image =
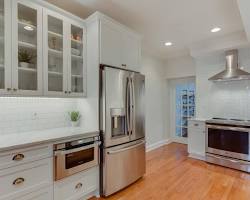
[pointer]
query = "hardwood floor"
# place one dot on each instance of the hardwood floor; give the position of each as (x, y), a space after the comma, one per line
(171, 175)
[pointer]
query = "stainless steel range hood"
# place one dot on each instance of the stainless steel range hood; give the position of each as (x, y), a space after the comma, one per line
(232, 71)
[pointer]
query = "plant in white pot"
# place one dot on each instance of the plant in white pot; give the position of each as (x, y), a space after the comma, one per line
(25, 58)
(74, 118)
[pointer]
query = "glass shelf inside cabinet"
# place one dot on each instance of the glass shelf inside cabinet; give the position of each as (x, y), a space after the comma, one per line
(2, 71)
(76, 59)
(27, 48)
(55, 54)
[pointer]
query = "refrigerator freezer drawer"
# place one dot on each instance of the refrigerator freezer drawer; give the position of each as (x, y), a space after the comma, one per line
(122, 166)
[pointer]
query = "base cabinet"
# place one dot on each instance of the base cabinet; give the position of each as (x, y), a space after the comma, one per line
(196, 139)
(43, 194)
(82, 185)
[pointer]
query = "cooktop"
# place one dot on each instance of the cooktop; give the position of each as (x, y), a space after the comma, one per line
(227, 121)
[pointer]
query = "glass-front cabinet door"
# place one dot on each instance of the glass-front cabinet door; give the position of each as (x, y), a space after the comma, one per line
(55, 54)
(5, 47)
(27, 48)
(77, 61)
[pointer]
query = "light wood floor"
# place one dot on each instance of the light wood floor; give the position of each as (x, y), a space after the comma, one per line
(171, 175)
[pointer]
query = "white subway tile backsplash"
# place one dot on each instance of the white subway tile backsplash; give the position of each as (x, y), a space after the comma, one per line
(223, 99)
(21, 114)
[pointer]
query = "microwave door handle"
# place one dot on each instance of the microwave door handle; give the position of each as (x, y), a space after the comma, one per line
(63, 152)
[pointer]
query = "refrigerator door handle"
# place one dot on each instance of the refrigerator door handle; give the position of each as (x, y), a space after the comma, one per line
(132, 105)
(127, 106)
(127, 148)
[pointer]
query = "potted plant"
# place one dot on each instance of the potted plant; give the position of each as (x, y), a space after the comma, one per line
(24, 58)
(74, 118)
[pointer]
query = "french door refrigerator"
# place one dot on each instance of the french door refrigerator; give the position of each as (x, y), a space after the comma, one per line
(122, 124)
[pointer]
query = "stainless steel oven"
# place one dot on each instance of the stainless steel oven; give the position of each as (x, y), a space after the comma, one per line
(75, 156)
(228, 145)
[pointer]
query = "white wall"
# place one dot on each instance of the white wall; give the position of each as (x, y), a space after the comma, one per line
(225, 99)
(175, 68)
(180, 67)
(154, 71)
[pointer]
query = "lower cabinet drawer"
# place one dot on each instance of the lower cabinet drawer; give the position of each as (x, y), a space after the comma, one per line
(16, 157)
(21, 180)
(77, 186)
(42, 194)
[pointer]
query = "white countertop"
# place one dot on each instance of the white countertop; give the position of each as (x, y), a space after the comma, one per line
(16, 140)
(197, 119)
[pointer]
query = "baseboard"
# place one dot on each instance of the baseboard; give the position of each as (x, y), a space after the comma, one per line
(157, 145)
(197, 156)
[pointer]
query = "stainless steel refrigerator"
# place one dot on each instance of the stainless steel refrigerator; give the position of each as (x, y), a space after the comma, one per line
(122, 124)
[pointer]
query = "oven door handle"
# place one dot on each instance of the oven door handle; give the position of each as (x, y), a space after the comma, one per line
(64, 152)
(231, 160)
(228, 128)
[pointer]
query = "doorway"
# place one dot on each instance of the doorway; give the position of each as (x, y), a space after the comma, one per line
(182, 107)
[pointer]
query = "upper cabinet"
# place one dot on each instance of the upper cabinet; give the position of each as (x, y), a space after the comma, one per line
(77, 59)
(26, 48)
(119, 47)
(55, 54)
(110, 44)
(44, 55)
(5, 47)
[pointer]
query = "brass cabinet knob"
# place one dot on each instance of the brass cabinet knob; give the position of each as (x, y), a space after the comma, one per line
(8, 89)
(18, 181)
(65, 92)
(18, 157)
(14, 89)
(69, 92)
(78, 186)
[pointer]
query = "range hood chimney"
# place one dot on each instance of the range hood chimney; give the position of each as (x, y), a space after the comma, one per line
(232, 71)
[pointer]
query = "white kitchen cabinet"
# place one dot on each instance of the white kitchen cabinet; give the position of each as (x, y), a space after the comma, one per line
(5, 47)
(77, 73)
(110, 44)
(196, 138)
(22, 179)
(131, 51)
(43, 51)
(55, 53)
(21, 156)
(82, 185)
(64, 56)
(26, 48)
(119, 46)
(43, 194)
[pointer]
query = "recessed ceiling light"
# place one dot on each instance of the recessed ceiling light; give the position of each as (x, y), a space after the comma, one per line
(28, 28)
(216, 29)
(168, 44)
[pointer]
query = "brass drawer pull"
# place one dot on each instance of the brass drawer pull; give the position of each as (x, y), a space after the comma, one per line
(196, 124)
(18, 181)
(78, 186)
(18, 157)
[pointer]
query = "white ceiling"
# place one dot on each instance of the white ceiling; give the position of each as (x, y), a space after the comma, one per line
(183, 22)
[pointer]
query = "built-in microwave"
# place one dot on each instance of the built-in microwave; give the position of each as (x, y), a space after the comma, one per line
(75, 156)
